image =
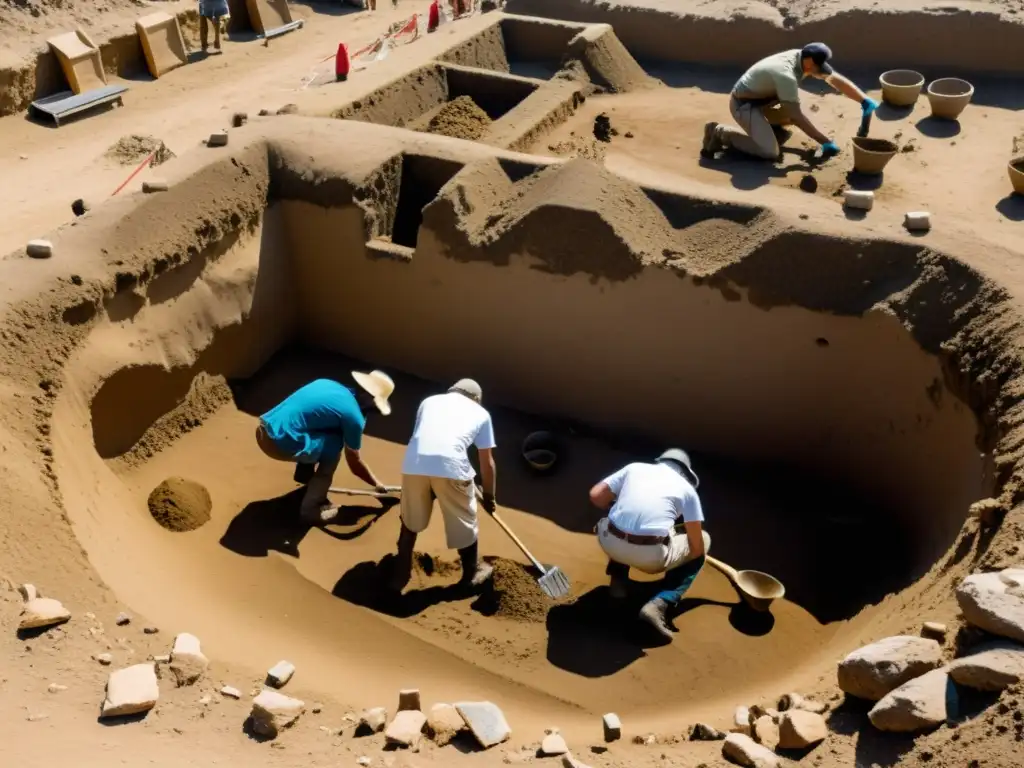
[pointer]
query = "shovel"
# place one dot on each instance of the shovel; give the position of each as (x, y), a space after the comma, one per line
(757, 589)
(392, 490)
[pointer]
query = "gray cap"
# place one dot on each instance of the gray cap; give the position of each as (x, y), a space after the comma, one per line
(469, 388)
(681, 458)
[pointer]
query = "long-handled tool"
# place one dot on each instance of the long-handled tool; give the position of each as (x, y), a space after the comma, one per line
(757, 588)
(392, 490)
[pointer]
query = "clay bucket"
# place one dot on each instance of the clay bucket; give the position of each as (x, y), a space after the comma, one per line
(870, 156)
(949, 96)
(901, 87)
(1016, 171)
(540, 450)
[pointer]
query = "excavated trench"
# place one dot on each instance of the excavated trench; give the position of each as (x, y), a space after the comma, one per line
(825, 386)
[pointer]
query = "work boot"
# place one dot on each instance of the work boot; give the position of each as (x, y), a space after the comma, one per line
(304, 473)
(402, 571)
(712, 143)
(618, 587)
(475, 572)
(654, 613)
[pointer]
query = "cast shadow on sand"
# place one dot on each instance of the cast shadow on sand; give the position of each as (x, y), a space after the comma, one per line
(275, 525)
(748, 173)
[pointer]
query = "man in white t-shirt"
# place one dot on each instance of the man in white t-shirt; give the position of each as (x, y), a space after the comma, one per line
(645, 504)
(437, 466)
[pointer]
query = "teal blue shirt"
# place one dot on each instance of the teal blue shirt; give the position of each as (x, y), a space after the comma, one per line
(314, 423)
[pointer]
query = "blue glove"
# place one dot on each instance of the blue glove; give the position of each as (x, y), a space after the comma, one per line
(868, 106)
(829, 149)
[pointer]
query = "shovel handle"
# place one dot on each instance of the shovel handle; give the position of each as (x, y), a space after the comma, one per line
(511, 535)
(358, 492)
(730, 572)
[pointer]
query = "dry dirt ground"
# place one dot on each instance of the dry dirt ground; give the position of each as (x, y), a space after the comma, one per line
(958, 176)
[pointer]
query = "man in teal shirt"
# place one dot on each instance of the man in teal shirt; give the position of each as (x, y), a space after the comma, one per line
(316, 424)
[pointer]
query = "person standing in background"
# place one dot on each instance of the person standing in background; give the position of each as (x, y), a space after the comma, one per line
(211, 12)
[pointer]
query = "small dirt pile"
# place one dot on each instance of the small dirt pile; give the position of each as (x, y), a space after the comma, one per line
(579, 146)
(180, 505)
(134, 148)
(460, 118)
(517, 595)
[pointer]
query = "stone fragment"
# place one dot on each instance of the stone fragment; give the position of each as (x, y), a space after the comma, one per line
(150, 630)
(231, 693)
(188, 663)
(204, 700)
(612, 727)
(799, 729)
(924, 702)
(28, 592)
(704, 732)
(766, 732)
(553, 745)
(990, 667)
(218, 139)
(741, 720)
(272, 712)
(122, 619)
(918, 221)
(364, 761)
(409, 698)
(239, 119)
(280, 673)
(486, 722)
(862, 200)
(162, 658)
(645, 741)
(443, 723)
(56, 688)
(934, 630)
(155, 185)
(568, 761)
(406, 729)
(105, 659)
(990, 603)
(374, 720)
(743, 750)
(876, 669)
(131, 691)
(43, 612)
(39, 249)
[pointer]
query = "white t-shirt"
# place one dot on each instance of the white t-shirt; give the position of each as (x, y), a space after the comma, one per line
(651, 498)
(446, 425)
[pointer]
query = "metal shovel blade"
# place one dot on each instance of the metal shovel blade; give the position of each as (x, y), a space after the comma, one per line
(554, 583)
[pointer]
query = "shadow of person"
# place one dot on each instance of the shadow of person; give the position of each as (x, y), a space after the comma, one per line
(594, 636)
(366, 584)
(748, 173)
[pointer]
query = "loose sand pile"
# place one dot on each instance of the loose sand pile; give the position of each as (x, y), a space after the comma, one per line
(460, 118)
(180, 505)
(133, 149)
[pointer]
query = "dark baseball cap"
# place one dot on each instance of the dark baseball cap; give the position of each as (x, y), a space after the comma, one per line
(820, 54)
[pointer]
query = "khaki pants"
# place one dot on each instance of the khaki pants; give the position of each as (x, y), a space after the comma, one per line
(457, 499)
(649, 558)
(755, 135)
(315, 497)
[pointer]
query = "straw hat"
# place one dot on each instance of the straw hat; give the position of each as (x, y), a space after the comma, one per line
(379, 386)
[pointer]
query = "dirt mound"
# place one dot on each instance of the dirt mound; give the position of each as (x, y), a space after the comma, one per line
(460, 118)
(180, 505)
(579, 146)
(134, 148)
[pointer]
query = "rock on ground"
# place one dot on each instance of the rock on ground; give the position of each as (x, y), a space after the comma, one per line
(741, 720)
(409, 699)
(994, 602)
(43, 612)
(612, 727)
(375, 719)
(797, 701)
(406, 729)
(28, 592)
(704, 732)
(554, 745)
(486, 721)
(188, 663)
(231, 693)
(876, 669)
(131, 691)
(800, 729)
(990, 667)
(766, 732)
(272, 712)
(924, 702)
(743, 750)
(444, 722)
(280, 673)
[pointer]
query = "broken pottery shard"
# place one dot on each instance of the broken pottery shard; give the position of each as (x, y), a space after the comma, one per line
(232, 693)
(406, 729)
(800, 729)
(444, 722)
(374, 719)
(272, 712)
(704, 732)
(187, 660)
(28, 592)
(43, 612)
(280, 673)
(988, 602)
(766, 732)
(39, 249)
(925, 702)
(409, 698)
(741, 720)
(554, 745)
(990, 667)
(743, 750)
(485, 721)
(131, 691)
(612, 727)
(155, 185)
(218, 139)
(876, 669)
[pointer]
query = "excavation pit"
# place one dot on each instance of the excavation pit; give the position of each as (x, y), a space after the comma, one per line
(278, 273)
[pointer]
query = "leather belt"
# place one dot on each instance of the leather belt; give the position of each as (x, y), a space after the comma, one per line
(633, 538)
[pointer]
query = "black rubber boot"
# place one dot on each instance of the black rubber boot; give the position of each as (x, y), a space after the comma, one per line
(304, 473)
(618, 588)
(402, 571)
(475, 572)
(654, 613)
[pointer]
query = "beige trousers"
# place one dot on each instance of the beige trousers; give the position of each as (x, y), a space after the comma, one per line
(649, 558)
(457, 499)
(755, 135)
(315, 498)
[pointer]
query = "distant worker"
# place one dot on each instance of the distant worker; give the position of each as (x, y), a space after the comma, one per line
(211, 12)
(437, 466)
(769, 95)
(645, 502)
(314, 425)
